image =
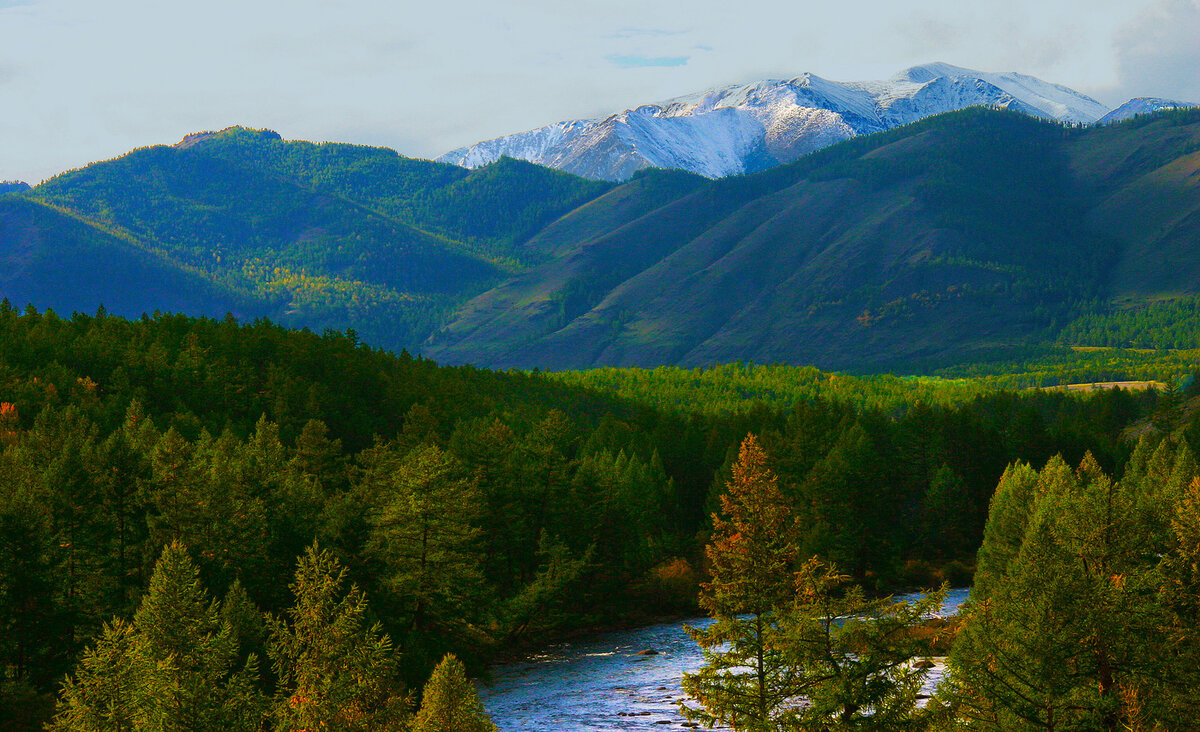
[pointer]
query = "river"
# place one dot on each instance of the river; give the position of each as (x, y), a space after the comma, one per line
(602, 683)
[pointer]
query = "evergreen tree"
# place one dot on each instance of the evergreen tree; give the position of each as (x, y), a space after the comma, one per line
(1069, 634)
(450, 702)
(424, 533)
(184, 654)
(336, 670)
(746, 680)
(171, 670)
(852, 657)
(99, 696)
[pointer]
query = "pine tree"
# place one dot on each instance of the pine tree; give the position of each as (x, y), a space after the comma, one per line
(184, 655)
(99, 696)
(450, 702)
(852, 657)
(424, 532)
(746, 681)
(336, 670)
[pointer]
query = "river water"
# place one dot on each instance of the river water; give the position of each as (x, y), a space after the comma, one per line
(603, 683)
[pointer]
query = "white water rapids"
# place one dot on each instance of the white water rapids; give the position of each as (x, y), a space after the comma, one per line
(602, 683)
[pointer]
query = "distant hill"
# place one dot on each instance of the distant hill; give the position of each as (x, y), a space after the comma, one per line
(1142, 105)
(310, 235)
(964, 233)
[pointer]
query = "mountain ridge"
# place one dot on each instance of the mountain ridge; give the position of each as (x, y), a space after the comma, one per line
(977, 229)
(746, 128)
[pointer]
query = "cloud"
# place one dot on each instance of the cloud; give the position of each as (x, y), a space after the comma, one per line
(643, 33)
(1158, 53)
(638, 62)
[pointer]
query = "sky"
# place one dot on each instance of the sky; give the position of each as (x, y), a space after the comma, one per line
(82, 80)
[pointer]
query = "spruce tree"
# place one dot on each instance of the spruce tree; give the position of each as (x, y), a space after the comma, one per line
(184, 656)
(173, 669)
(99, 697)
(450, 702)
(746, 681)
(336, 670)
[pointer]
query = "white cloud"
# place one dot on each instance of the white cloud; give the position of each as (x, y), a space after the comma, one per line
(1158, 54)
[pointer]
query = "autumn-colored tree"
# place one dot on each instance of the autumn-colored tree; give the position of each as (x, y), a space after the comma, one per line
(746, 680)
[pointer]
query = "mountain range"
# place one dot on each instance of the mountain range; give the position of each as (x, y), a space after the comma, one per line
(748, 128)
(963, 232)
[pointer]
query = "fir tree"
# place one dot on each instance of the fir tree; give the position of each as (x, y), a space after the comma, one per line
(746, 681)
(450, 702)
(336, 670)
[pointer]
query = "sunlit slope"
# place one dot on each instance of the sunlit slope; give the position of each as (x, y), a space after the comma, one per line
(319, 235)
(962, 231)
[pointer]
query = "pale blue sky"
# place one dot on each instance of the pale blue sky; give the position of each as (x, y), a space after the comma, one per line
(82, 80)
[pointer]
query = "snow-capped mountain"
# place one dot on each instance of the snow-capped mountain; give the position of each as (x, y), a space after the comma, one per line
(1142, 105)
(742, 129)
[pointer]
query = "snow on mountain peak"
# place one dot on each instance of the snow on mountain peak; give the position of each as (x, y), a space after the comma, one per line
(748, 127)
(1142, 105)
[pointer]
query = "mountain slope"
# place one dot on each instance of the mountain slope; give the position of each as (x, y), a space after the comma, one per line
(740, 129)
(970, 230)
(309, 235)
(1140, 106)
(490, 209)
(49, 257)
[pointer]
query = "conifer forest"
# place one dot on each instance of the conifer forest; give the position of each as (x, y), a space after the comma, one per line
(213, 525)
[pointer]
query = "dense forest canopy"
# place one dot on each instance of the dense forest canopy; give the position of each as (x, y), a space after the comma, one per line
(474, 511)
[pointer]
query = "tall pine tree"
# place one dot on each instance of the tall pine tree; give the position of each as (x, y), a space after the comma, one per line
(746, 681)
(336, 669)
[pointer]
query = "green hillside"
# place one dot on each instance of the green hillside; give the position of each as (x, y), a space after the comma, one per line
(52, 256)
(946, 241)
(959, 234)
(319, 236)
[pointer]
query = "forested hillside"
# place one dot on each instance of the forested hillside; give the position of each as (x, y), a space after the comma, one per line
(962, 233)
(243, 222)
(475, 511)
(939, 243)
